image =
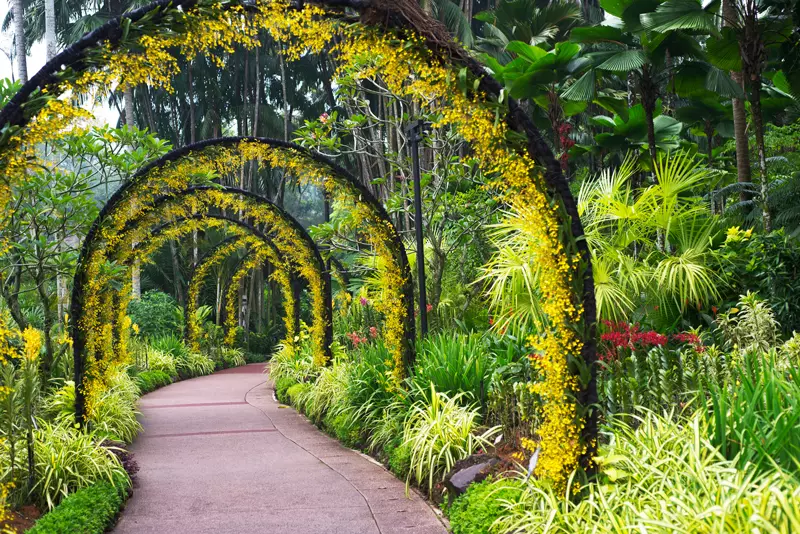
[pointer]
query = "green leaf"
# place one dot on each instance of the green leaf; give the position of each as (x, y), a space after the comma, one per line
(723, 52)
(583, 90)
(598, 34)
(529, 52)
(682, 15)
(602, 120)
(625, 61)
(718, 81)
(571, 109)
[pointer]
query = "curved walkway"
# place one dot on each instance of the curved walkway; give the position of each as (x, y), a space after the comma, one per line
(219, 455)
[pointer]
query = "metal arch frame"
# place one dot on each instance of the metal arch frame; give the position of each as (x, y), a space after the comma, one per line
(80, 281)
(294, 282)
(403, 15)
(189, 306)
(337, 173)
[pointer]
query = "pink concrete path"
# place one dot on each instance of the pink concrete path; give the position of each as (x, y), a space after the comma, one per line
(219, 455)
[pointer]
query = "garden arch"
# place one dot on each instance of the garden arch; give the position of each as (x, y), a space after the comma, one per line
(225, 153)
(416, 58)
(195, 204)
(245, 235)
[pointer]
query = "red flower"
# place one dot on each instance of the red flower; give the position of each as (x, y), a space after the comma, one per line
(429, 307)
(373, 332)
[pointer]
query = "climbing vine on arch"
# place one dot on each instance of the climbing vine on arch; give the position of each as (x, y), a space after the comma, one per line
(100, 343)
(418, 63)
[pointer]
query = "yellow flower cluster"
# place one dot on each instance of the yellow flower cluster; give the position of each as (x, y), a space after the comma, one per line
(31, 343)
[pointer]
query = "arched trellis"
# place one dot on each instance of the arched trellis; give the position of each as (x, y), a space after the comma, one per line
(202, 200)
(422, 63)
(291, 290)
(245, 235)
(218, 254)
(339, 184)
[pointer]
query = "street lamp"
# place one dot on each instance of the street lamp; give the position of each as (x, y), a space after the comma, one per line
(415, 132)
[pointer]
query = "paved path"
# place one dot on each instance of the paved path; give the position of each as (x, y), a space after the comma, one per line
(219, 455)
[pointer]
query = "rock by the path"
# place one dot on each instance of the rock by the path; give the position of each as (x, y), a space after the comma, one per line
(472, 469)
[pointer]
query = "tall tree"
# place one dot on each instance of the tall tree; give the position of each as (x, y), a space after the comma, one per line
(18, 11)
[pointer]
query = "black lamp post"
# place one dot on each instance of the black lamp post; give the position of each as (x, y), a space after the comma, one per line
(415, 136)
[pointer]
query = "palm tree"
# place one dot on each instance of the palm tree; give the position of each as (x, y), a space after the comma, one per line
(632, 274)
(750, 28)
(528, 21)
(18, 12)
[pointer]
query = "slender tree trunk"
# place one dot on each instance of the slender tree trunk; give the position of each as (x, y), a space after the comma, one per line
(739, 116)
(44, 299)
(176, 273)
(127, 95)
(19, 39)
(192, 106)
(11, 289)
(285, 96)
(50, 29)
(758, 126)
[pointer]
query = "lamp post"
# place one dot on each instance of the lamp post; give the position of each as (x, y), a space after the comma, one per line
(415, 136)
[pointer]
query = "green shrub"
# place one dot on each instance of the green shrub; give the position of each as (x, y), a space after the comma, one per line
(255, 357)
(767, 265)
(91, 510)
(114, 412)
(156, 314)
(344, 428)
(151, 380)
(158, 360)
(281, 386)
(193, 364)
(68, 459)
(286, 362)
(756, 420)
(295, 393)
(372, 392)
(475, 511)
(328, 392)
(262, 344)
(231, 358)
(169, 343)
(399, 459)
(661, 477)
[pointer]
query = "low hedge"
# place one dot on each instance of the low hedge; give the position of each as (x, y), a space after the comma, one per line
(152, 380)
(91, 510)
(282, 385)
(475, 511)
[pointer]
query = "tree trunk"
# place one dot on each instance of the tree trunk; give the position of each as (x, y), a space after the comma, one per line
(44, 299)
(729, 17)
(127, 94)
(176, 273)
(19, 38)
(649, 93)
(10, 290)
(192, 109)
(50, 29)
(758, 126)
(285, 95)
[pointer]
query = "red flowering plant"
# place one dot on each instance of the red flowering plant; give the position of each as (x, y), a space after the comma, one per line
(644, 368)
(622, 339)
